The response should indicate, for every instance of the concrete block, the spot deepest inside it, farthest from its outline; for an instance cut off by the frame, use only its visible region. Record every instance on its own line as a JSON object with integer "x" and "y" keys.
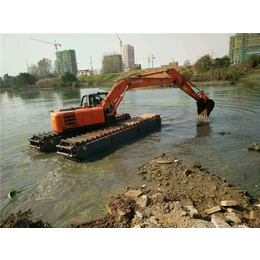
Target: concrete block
{"x": 142, "y": 201}
{"x": 254, "y": 214}
{"x": 164, "y": 162}
{"x": 228, "y": 203}
{"x": 233, "y": 217}
{"x": 133, "y": 194}
{"x": 242, "y": 226}
{"x": 219, "y": 223}
{"x": 212, "y": 210}
{"x": 198, "y": 223}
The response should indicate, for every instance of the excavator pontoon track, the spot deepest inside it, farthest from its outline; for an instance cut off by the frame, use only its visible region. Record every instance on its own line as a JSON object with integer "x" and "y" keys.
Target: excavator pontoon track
{"x": 46, "y": 142}
{"x": 93, "y": 143}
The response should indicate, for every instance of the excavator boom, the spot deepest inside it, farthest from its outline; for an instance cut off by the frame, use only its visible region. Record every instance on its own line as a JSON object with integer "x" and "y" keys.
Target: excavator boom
{"x": 115, "y": 95}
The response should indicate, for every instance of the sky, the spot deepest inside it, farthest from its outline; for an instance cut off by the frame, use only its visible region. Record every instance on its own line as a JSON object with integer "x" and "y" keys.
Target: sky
{"x": 17, "y": 49}
{"x": 178, "y": 31}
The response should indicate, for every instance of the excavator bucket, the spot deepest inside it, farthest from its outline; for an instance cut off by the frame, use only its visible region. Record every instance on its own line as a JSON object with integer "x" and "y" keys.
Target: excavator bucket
{"x": 205, "y": 108}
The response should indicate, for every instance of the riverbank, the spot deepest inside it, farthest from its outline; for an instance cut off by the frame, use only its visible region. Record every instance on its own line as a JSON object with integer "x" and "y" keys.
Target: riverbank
{"x": 184, "y": 196}
{"x": 108, "y": 80}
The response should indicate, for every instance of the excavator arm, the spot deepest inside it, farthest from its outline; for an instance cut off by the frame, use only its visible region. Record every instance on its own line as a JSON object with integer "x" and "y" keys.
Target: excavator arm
{"x": 116, "y": 94}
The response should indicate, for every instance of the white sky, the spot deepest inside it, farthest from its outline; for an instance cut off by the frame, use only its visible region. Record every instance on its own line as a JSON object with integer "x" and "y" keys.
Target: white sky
{"x": 183, "y": 31}
{"x": 17, "y": 48}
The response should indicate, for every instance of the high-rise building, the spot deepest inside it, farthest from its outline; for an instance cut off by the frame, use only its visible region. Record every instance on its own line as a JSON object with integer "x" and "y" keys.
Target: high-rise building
{"x": 129, "y": 56}
{"x": 67, "y": 61}
{"x": 112, "y": 64}
{"x": 242, "y": 45}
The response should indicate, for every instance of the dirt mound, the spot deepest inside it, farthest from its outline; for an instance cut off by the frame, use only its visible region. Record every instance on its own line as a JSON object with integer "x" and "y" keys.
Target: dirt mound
{"x": 186, "y": 197}
{"x": 22, "y": 220}
{"x": 191, "y": 184}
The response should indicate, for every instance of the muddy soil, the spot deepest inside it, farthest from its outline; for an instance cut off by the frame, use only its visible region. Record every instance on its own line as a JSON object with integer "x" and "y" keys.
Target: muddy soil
{"x": 186, "y": 196}
{"x": 22, "y": 220}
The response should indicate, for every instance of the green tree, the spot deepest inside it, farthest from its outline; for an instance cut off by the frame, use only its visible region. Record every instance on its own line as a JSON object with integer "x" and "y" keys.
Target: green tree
{"x": 44, "y": 67}
{"x": 204, "y": 64}
{"x": 7, "y": 79}
{"x": 187, "y": 73}
{"x": 33, "y": 69}
{"x": 68, "y": 78}
{"x": 253, "y": 60}
{"x": 24, "y": 79}
{"x": 221, "y": 62}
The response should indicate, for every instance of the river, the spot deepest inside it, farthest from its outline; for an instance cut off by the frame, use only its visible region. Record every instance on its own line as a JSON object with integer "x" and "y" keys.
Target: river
{"x": 63, "y": 192}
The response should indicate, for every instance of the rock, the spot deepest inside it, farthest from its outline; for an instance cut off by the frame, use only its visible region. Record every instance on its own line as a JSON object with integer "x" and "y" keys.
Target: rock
{"x": 176, "y": 161}
{"x": 196, "y": 164}
{"x": 254, "y": 146}
{"x": 233, "y": 217}
{"x": 108, "y": 209}
{"x": 199, "y": 223}
{"x": 231, "y": 210}
{"x": 228, "y": 203}
{"x": 122, "y": 212}
{"x": 187, "y": 172}
{"x": 219, "y": 223}
{"x": 159, "y": 197}
{"x": 212, "y": 210}
{"x": 178, "y": 205}
{"x": 139, "y": 214}
{"x": 253, "y": 214}
{"x": 242, "y": 226}
{"x": 137, "y": 226}
{"x": 164, "y": 162}
{"x": 142, "y": 201}
{"x": 192, "y": 210}
{"x": 133, "y": 194}
{"x": 153, "y": 220}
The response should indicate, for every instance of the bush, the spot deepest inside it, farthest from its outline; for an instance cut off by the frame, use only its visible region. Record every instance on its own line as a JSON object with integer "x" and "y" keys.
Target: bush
{"x": 253, "y": 61}
{"x": 49, "y": 83}
{"x": 187, "y": 73}
{"x": 24, "y": 79}
{"x": 68, "y": 78}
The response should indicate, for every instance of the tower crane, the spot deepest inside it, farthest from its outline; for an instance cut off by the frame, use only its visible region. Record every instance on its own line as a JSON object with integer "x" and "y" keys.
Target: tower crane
{"x": 55, "y": 44}
{"x": 120, "y": 45}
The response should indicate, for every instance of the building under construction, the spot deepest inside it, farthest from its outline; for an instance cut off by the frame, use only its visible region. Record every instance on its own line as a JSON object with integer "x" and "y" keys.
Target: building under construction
{"x": 66, "y": 61}
{"x": 112, "y": 63}
{"x": 129, "y": 56}
{"x": 242, "y": 45}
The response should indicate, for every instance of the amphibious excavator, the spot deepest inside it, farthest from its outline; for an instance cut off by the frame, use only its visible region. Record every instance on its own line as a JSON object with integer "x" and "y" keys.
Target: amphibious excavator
{"x": 84, "y": 131}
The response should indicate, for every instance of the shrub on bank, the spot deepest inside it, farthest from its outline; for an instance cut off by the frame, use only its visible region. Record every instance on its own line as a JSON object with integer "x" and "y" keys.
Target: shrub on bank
{"x": 219, "y": 74}
{"x": 49, "y": 83}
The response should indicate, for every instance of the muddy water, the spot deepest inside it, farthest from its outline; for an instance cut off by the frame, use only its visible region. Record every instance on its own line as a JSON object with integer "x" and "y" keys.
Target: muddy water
{"x": 63, "y": 192}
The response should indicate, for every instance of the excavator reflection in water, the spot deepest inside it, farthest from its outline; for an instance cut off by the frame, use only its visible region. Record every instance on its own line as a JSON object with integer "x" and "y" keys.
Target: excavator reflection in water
{"x": 98, "y": 111}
